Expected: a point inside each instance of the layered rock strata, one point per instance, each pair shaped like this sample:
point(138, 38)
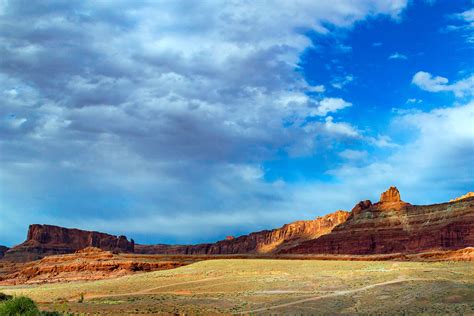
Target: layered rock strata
point(267, 241)
point(86, 264)
point(43, 240)
point(393, 226)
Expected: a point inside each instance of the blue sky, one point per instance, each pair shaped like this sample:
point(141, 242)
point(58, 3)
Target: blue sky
point(178, 123)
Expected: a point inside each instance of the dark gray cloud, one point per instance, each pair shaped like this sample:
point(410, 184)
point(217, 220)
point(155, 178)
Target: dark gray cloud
point(147, 115)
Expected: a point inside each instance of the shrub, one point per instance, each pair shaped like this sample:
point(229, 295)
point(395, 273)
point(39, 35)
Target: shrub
point(19, 306)
point(5, 297)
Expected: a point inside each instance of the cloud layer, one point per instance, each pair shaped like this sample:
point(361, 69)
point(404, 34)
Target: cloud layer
point(155, 119)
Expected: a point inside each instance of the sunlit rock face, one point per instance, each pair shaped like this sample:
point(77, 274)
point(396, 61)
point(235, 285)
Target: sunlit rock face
point(267, 241)
point(391, 195)
point(465, 196)
point(394, 226)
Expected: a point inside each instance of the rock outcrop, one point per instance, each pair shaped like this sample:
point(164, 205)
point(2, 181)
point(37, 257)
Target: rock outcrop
point(393, 226)
point(86, 264)
point(43, 240)
point(391, 195)
point(465, 196)
point(3, 249)
point(267, 241)
point(389, 226)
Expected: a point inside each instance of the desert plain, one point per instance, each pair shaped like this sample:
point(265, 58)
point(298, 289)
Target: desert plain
point(270, 286)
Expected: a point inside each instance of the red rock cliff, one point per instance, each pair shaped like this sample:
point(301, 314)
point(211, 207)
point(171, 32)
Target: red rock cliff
point(392, 226)
point(266, 241)
point(45, 240)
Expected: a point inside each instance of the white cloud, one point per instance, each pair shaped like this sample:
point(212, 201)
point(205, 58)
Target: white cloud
point(318, 88)
point(151, 109)
point(397, 56)
point(428, 82)
point(331, 105)
point(340, 82)
point(435, 166)
point(413, 101)
point(382, 141)
point(467, 16)
point(351, 154)
point(464, 25)
point(340, 128)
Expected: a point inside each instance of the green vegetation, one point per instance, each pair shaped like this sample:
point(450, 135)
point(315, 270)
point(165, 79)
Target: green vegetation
point(19, 306)
point(81, 298)
point(22, 305)
point(4, 297)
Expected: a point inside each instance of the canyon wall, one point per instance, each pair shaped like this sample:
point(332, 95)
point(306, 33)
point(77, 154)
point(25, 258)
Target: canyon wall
point(393, 226)
point(267, 241)
point(388, 226)
point(43, 240)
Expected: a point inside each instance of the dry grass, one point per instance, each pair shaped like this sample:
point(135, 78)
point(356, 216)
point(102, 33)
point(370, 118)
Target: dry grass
point(242, 285)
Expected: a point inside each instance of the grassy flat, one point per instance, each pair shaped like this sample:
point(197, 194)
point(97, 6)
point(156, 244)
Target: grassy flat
point(233, 286)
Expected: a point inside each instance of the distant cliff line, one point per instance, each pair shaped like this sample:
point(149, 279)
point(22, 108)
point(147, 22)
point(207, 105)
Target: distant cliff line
point(388, 226)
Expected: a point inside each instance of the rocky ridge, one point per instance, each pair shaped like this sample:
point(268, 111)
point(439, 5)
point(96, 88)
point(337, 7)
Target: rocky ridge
point(86, 264)
point(465, 196)
point(394, 226)
point(267, 241)
point(390, 226)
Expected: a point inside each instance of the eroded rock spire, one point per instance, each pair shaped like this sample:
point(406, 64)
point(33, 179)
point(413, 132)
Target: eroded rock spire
point(391, 195)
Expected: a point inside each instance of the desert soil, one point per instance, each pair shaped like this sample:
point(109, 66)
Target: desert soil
point(265, 286)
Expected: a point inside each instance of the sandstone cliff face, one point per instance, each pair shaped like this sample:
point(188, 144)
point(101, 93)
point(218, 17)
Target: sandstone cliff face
point(392, 226)
point(267, 241)
point(465, 196)
point(43, 240)
point(391, 195)
point(3, 249)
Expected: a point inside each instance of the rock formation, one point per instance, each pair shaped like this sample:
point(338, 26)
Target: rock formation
point(393, 226)
point(391, 195)
point(465, 196)
point(3, 249)
point(86, 264)
point(43, 240)
point(262, 242)
point(389, 226)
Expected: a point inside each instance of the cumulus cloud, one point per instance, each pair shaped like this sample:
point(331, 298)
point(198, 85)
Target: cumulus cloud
point(439, 156)
point(428, 82)
point(331, 105)
point(318, 88)
point(157, 109)
point(340, 128)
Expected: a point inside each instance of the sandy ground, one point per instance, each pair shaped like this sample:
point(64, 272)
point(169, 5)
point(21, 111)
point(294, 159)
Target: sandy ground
point(262, 286)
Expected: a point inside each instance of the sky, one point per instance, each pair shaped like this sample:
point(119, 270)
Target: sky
point(186, 121)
